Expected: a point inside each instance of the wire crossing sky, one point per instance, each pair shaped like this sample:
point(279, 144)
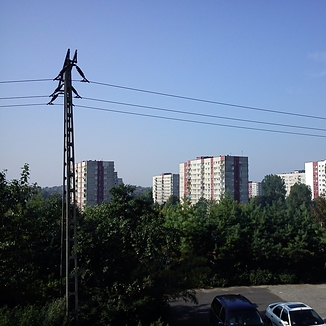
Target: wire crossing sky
point(181, 120)
point(177, 111)
point(168, 82)
point(162, 94)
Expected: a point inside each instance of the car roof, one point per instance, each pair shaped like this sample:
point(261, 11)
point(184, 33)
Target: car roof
point(235, 301)
point(291, 306)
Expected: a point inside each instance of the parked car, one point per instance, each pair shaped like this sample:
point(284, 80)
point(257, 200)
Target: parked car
point(292, 314)
point(234, 310)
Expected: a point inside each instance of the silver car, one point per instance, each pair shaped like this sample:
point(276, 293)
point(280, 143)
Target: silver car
point(292, 314)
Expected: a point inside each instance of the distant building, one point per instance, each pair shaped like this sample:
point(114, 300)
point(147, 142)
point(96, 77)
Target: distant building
point(254, 189)
point(290, 179)
point(316, 178)
point(94, 179)
point(212, 177)
point(164, 186)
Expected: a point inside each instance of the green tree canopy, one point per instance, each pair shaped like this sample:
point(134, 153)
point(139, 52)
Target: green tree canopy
point(318, 210)
point(129, 261)
point(29, 242)
point(273, 188)
point(299, 197)
point(133, 256)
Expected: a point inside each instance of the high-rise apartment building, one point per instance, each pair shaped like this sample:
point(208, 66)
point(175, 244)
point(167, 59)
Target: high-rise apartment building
point(211, 177)
point(290, 179)
point(254, 189)
point(164, 186)
point(94, 179)
point(316, 178)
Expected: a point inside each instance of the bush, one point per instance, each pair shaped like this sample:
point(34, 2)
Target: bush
point(260, 277)
point(52, 314)
point(219, 282)
point(287, 278)
point(156, 323)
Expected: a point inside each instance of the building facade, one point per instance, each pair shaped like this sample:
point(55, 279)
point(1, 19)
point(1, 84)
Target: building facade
point(290, 179)
point(212, 177)
point(165, 186)
point(254, 189)
point(316, 178)
point(94, 179)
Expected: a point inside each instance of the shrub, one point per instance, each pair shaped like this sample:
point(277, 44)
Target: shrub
point(259, 277)
point(51, 314)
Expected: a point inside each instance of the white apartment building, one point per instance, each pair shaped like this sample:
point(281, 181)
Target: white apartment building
point(316, 178)
point(290, 179)
point(164, 186)
point(211, 177)
point(94, 179)
point(254, 189)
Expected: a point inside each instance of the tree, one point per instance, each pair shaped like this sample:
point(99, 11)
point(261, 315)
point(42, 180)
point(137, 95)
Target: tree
point(318, 210)
point(230, 238)
point(273, 188)
point(172, 200)
point(299, 197)
point(129, 261)
point(29, 242)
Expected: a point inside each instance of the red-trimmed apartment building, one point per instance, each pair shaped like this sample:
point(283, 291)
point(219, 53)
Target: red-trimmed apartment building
point(316, 178)
point(212, 177)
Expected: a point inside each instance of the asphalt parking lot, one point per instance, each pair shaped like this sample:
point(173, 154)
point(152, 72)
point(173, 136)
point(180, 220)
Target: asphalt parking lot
point(182, 313)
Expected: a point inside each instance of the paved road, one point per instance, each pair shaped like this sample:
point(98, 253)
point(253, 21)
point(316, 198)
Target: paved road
point(189, 314)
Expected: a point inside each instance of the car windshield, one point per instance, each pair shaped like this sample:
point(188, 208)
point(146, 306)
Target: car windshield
point(305, 318)
point(248, 317)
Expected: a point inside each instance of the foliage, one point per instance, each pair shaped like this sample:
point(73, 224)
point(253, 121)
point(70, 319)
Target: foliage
point(129, 261)
point(230, 238)
point(299, 197)
point(172, 200)
point(318, 211)
point(252, 244)
point(29, 242)
point(273, 188)
point(134, 255)
point(50, 314)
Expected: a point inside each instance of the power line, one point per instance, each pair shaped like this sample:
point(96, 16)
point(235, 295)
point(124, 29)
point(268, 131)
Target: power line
point(184, 112)
point(205, 115)
point(179, 97)
point(23, 97)
point(208, 101)
point(200, 122)
point(25, 81)
point(18, 105)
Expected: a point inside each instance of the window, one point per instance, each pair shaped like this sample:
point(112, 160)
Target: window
point(309, 316)
point(222, 315)
point(285, 316)
point(277, 311)
point(217, 307)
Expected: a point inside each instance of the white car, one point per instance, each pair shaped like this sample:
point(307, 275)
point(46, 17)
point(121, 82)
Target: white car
point(292, 314)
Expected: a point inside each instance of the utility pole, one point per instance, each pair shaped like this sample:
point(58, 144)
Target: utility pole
point(68, 259)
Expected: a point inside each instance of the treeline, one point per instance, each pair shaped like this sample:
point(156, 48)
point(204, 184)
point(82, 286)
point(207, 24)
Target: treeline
point(134, 255)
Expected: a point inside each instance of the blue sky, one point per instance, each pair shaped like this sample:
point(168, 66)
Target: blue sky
point(269, 55)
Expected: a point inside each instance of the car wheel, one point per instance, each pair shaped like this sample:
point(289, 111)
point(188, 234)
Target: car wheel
point(269, 322)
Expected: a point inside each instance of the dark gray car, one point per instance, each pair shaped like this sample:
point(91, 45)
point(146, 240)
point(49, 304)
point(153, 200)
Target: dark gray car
point(234, 310)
